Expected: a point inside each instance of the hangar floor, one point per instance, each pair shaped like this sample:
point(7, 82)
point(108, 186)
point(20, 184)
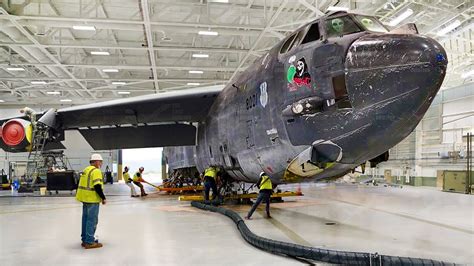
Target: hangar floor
point(159, 230)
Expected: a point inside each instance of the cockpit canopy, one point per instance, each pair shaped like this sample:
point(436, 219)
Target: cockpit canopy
point(333, 26)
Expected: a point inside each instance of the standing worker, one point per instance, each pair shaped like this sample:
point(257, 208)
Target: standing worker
point(138, 179)
point(90, 193)
point(128, 182)
point(266, 190)
point(210, 181)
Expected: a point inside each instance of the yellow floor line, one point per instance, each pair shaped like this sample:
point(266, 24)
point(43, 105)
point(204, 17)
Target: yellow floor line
point(286, 230)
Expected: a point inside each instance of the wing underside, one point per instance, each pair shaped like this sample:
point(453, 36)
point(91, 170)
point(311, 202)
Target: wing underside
point(160, 120)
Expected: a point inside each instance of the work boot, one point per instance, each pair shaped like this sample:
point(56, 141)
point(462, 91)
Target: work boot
point(93, 245)
point(247, 218)
point(83, 244)
point(144, 194)
point(269, 216)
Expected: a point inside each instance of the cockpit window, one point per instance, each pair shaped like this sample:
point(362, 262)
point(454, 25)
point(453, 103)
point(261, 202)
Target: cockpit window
point(312, 34)
point(286, 46)
point(341, 26)
point(292, 42)
point(371, 24)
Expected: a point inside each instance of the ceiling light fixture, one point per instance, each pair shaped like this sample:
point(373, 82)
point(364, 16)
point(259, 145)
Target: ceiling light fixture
point(467, 74)
point(200, 55)
point(401, 17)
point(195, 72)
point(118, 83)
point(208, 33)
point(99, 53)
point(38, 82)
point(218, 1)
point(193, 84)
point(110, 70)
point(123, 92)
point(83, 27)
point(450, 27)
point(65, 100)
point(15, 69)
point(338, 8)
point(53, 92)
point(2, 101)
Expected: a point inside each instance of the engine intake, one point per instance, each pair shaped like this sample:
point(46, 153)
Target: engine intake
point(16, 135)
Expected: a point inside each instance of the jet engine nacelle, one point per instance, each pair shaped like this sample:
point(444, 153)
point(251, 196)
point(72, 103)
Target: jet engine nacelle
point(16, 135)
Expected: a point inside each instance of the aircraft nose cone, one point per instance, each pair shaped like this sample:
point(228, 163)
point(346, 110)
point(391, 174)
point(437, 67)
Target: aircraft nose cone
point(380, 67)
point(391, 81)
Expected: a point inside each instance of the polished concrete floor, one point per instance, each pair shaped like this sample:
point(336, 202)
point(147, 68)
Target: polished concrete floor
point(159, 230)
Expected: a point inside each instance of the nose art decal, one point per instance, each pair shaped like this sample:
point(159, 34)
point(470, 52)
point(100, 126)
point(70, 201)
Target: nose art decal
point(298, 75)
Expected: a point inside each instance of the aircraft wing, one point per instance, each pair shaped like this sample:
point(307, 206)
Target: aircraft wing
point(183, 106)
point(145, 121)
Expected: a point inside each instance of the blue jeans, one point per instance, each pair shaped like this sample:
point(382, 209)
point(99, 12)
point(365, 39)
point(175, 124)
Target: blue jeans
point(262, 195)
point(90, 217)
point(210, 183)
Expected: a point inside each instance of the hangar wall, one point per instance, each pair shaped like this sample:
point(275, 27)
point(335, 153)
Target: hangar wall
point(439, 142)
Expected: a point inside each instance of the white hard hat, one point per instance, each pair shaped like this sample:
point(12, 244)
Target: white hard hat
point(262, 174)
point(96, 157)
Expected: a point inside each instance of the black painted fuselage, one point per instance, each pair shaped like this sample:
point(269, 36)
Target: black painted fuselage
point(321, 102)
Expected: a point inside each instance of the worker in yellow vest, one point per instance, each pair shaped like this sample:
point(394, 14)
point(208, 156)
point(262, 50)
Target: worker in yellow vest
point(266, 189)
point(210, 182)
point(90, 192)
point(128, 182)
point(138, 179)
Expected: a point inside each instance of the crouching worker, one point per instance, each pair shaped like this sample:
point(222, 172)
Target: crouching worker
point(90, 193)
point(210, 182)
point(266, 189)
point(128, 182)
point(138, 179)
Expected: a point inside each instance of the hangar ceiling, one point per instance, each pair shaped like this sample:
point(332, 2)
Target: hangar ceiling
point(80, 51)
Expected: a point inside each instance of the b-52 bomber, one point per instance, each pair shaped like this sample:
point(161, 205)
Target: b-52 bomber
point(336, 93)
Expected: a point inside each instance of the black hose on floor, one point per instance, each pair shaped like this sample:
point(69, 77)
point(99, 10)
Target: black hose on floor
point(311, 253)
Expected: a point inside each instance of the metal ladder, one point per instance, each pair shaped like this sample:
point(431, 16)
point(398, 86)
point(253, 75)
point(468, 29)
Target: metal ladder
point(36, 165)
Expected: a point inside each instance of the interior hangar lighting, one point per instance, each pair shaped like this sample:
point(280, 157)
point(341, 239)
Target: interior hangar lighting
point(208, 33)
point(450, 27)
point(404, 15)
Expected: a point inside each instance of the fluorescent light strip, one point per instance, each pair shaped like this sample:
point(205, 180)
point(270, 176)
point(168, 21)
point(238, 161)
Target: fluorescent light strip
point(112, 70)
point(2, 101)
point(66, 100)
point(53, 92)
point(218, 1)
point(118, 83)
point(467, 74)
point(401, 17)
point(123, 92)
point(200, 55)
point(208, 33)
point(193, 84)
point(338, 8)
point(99, 53)
point(83, 27)
point(15, 69)
point(38, 82)
point(195, 72)
point(450, 27)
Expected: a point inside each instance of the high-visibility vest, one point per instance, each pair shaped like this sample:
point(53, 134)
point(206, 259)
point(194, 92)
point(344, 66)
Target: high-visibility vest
point(211, 172)
point(136, 178)
point(90, 177)
point(126, 177)
point(266, 183)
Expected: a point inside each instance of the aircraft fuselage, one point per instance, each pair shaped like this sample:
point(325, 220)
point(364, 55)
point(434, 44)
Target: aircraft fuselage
point(323, 107)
